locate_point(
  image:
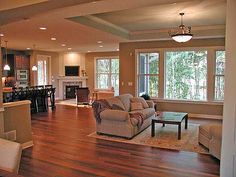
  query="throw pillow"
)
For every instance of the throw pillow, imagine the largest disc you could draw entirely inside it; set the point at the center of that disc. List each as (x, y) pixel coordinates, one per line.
(117, 107)
(139, 100)
(136, 106)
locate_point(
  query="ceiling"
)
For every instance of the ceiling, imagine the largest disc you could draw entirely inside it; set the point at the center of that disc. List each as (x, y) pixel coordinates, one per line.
(80, 24)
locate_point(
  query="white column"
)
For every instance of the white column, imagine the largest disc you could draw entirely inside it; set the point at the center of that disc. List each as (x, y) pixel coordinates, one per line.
(228, 151)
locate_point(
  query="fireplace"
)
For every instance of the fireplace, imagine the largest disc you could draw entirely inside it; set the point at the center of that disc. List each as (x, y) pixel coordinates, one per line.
(71, 91)
(64, 81)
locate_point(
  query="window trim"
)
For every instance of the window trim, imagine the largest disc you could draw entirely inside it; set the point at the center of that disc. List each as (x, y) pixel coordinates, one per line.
(184, 50)
(161, 88)
(137, 51)
(215, 75)
(109, 74)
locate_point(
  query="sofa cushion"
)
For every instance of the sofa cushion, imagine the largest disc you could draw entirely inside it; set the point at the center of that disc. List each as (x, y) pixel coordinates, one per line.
(139, 100)
(136, 106)
(125, 99)
(116, 115)
(148, 112)
(115, 101)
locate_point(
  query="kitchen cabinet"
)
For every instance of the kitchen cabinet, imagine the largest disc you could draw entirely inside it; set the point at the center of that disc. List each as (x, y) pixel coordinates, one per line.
(22, 62)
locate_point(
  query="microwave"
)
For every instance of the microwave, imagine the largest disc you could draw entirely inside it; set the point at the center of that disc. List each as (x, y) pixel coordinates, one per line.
(22, 75)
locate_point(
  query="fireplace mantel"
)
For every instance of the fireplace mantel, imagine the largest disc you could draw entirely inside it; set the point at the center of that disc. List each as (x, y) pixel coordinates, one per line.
(69, 80)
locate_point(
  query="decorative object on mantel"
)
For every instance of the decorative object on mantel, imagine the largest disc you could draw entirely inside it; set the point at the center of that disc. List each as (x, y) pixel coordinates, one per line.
(34, 67)
(183, 33)
(6, 67)
(84, 74)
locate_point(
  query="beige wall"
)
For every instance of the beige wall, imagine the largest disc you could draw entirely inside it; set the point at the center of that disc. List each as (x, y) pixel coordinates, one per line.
(127, 72)
(71, 59)
(228, 152)
(89, 65)
(21, 123)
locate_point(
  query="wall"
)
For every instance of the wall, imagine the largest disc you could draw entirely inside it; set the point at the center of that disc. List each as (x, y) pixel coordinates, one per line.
(71, 59)
(127, 72)
(228, 152)
(1, 101)
(89, 65)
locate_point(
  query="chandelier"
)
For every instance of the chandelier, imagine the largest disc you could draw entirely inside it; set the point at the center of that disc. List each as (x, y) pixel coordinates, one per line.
(183, 33)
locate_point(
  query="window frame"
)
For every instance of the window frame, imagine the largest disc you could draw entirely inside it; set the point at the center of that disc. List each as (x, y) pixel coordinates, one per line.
(137, 74)
(109, 74)
(183, 50)
(217, 75)
(161, 82)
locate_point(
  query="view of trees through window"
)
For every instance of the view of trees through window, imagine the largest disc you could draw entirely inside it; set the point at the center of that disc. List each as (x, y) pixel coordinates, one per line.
(219, 75)
(107, 74)
(186, 75)
(148, 73)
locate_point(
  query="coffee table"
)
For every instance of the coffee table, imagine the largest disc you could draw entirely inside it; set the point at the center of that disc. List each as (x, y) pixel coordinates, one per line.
(175, 118)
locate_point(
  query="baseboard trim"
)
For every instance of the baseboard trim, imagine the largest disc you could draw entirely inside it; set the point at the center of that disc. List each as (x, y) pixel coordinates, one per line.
(27, 144)
(205, 116)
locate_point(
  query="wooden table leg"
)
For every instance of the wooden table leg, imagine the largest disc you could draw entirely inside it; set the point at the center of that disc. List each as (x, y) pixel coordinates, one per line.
(153, 129)
(179, 131)
(186, 121)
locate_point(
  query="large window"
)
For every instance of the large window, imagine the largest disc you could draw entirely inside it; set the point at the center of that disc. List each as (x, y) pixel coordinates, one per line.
(148, 73)
(219, 75)
(186, 75)
(107, 74)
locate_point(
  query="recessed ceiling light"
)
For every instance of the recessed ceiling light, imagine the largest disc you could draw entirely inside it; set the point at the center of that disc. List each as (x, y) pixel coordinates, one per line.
(1, 34)
(101, 46)
(117, 49)
(88, 51)
(28, 48)
(69, 48)
(53, 38)
(42, 28)
(63, 45)
(99, 42)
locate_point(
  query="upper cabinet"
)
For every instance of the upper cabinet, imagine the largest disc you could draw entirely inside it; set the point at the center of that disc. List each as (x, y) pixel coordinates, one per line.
(16, 62)
(22, 62)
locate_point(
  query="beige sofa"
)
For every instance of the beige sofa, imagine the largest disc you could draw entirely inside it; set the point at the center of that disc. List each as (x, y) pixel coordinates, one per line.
(118, 122)
(210, 136)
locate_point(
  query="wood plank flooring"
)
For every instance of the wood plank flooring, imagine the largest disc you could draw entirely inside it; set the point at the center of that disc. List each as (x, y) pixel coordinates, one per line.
(63, 149)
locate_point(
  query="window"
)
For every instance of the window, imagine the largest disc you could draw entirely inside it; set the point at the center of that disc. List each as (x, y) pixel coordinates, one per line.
(42, 71)
(148, 73)
(186, 75)
(219, 75)
(107, 74)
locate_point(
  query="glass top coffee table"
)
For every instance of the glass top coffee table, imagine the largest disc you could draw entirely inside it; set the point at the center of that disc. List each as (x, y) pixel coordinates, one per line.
(175, 118)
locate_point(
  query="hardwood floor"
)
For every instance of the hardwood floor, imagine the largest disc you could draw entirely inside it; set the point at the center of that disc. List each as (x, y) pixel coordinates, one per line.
(63, 149)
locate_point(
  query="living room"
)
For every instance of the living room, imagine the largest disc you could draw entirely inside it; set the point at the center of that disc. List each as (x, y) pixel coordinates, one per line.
(109, 47)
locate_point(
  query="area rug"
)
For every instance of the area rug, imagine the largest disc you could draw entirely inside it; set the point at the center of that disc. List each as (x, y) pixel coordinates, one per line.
(71, 102)
(165, 137)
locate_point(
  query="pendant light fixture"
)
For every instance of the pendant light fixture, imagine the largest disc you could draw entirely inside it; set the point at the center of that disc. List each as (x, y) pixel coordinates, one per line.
(183, 33)
(34, 67)
(6, 67)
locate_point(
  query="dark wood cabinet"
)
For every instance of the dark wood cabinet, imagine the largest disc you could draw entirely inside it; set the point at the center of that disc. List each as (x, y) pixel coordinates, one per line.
(22, 62)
